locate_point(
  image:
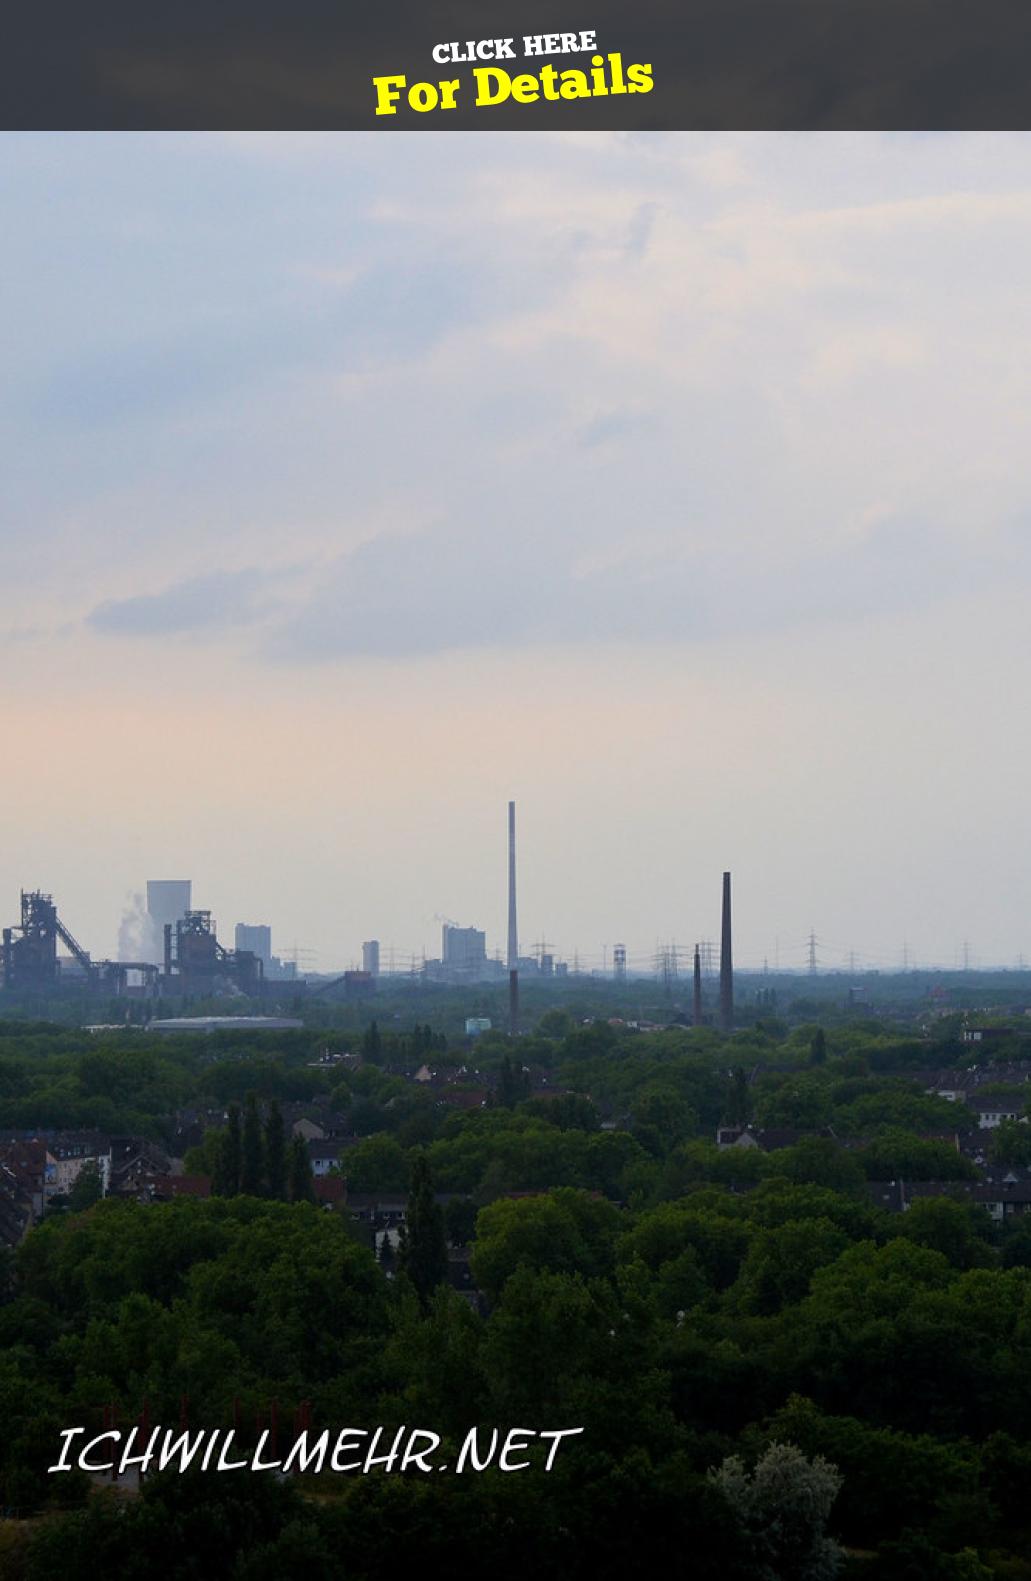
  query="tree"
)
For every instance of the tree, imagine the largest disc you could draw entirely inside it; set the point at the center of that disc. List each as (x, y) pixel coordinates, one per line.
(301, 1181)
(782, 1509)
(423, 1252)
(1010, 1143)
(818, 1047)
(953, 1228)
(377, 1164)
(460, 1220)
(661, 1118)
(227, 1164)
(386, 1255)
(203, 1159)
(87, 1189)
(569, 1111)
(513, 1083)
(372, 1044)
(781, 1262)
(738, 1097)
(275, 1152)
(916, 1555)
(894, 1480)
(555, 1024)
(717, 1241)
(252, 1161)
(566, 1231)
(896, 1153)
(817, 1161)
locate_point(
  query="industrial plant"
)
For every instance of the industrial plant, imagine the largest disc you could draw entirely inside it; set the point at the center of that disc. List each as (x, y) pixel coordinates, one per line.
(172, 950)
(193, 962)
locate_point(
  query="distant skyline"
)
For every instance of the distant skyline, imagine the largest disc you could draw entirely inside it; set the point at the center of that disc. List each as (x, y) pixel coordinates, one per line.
(673, 485)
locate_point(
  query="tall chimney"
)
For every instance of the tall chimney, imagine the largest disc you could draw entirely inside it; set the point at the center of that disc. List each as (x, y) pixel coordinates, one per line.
(726, 964)
(697, 1015)
(513, 931)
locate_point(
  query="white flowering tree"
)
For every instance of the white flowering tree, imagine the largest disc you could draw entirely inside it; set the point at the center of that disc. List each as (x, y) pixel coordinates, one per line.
(782, 1508)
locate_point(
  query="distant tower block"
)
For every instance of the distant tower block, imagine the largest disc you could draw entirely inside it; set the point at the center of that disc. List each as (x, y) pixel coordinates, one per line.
(696, 1016)
(513, 930)
(726, 964)
(168, 901)
(370, 957)
(619, 962)
(257, 939)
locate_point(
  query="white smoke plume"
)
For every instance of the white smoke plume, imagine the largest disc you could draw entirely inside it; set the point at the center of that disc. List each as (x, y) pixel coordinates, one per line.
(137, 934)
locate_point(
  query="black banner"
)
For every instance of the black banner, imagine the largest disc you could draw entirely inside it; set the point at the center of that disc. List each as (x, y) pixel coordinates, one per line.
(562, 64)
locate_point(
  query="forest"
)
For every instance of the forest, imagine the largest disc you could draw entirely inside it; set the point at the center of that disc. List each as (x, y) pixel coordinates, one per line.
(776, 1376)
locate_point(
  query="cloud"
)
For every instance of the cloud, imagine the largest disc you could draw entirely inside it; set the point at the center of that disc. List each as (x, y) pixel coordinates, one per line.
(442, 592)
(616, 425)
(201, 603)
(564, 388)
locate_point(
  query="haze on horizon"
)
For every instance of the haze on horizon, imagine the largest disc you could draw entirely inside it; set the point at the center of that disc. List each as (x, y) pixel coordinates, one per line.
(674, 485)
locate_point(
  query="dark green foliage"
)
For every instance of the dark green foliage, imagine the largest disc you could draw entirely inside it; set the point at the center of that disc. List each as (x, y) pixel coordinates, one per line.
(1010, 1144)
(275, 1153)
(513, 1083)
(300, 1181)
(739, 1101)
(229, 1157)
(959, 1232)
(917, 1557)
(570, 1111)
(252, 1151)
(819, 1161)
(183, 1528)
(896, 1153)
(684, 1304)
(460, 1220)
(377, 1164)
(564, 1230)
(86, 1189)
(423, 1254)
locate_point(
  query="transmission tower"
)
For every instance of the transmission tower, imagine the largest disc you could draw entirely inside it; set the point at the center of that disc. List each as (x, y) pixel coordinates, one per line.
(666, 965)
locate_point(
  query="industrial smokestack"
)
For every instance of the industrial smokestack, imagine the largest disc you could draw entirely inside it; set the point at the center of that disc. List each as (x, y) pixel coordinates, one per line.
(513, 931)
(697, 1009)
(726, 964)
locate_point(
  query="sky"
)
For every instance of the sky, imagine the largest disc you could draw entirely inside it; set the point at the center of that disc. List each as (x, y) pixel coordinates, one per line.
(676, 486)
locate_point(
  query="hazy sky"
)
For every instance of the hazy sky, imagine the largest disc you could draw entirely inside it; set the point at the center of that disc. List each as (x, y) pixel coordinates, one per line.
(677, 486)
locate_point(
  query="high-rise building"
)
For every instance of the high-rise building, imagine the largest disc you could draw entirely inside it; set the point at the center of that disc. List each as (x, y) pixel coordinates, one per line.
(370, 957)
(257, 938)
(463, 949)
(168, 901)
